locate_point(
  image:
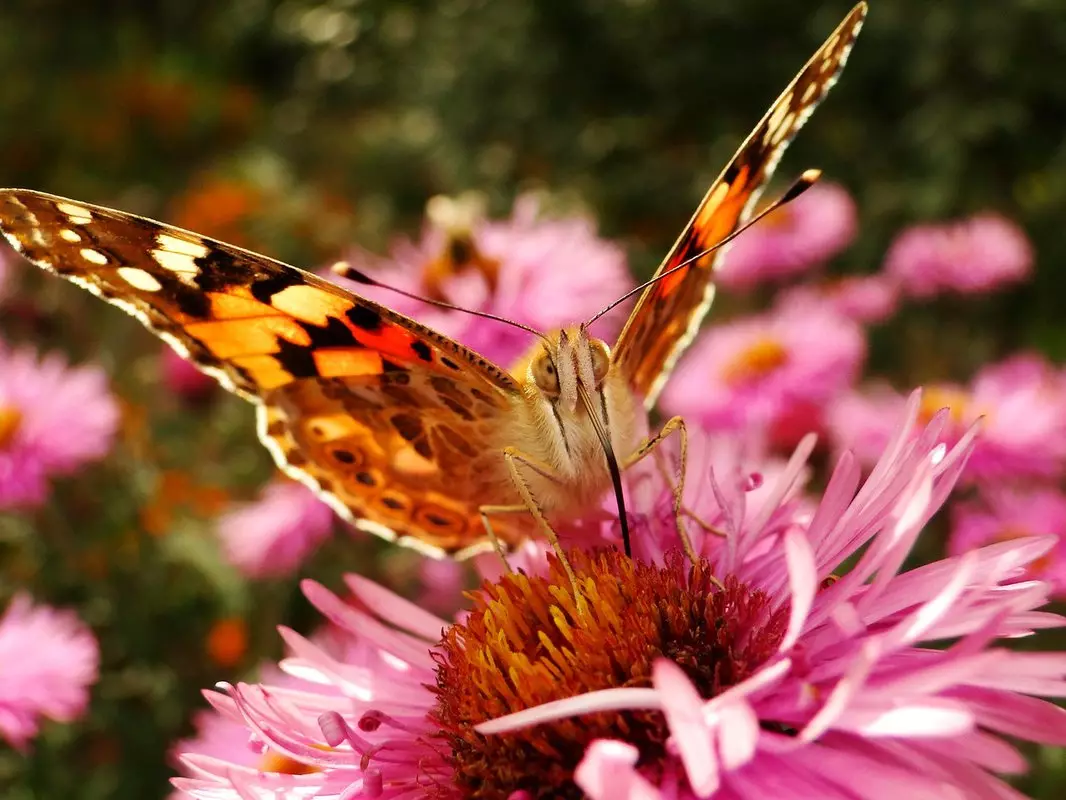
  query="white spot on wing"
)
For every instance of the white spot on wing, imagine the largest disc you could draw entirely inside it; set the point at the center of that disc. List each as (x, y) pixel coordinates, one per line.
(185, 247)
(139, 279)
(67, 235)
(181, 263)
(78, 215)
(93, 256)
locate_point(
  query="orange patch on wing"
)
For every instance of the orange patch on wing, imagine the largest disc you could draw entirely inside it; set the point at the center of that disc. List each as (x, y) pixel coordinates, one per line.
(310, 304)
(236, 337)
(265, 371)
(713, 204)
(238, 304)
(389, 340)
(346, 362)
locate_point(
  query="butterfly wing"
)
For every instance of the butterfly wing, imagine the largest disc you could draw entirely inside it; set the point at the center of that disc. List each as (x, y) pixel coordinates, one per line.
(670, 311)
(394, 424)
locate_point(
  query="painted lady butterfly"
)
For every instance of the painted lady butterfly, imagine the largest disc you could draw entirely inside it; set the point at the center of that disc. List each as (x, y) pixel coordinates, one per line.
(405, 432)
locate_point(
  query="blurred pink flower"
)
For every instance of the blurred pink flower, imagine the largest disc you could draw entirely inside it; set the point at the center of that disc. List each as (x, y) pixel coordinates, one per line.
(274, 534)
(53, 419)
(1020, 405)
(804, 234)
(541, 273)
(779, 667)
(864, 298)
(1006, 514)
(761, 370)
(441, 585)
(969, 256)
(182, 378)
(48, 661)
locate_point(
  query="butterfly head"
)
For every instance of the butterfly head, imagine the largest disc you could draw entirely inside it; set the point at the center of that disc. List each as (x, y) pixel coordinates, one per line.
(567, 364)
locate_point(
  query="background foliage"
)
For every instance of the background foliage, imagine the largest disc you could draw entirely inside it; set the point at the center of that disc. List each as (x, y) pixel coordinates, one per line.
(300, 127)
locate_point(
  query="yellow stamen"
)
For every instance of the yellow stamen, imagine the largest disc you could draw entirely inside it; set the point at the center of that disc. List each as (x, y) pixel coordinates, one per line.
(286, 765)
(10, 419)
(935, 398)
(758, 360)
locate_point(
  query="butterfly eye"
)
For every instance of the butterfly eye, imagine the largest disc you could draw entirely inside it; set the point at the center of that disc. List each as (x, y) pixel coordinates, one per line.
(545, 375)
(601, 360)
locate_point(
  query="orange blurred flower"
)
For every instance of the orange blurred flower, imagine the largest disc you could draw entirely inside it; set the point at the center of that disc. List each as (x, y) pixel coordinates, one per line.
(227, 641)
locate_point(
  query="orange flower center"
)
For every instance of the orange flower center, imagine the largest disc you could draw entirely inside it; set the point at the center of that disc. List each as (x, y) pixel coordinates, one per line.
(756, 361)
(779, 218)
(528, 641)
(286, 765)
(458, 255)
(935, 398)
(10, 419)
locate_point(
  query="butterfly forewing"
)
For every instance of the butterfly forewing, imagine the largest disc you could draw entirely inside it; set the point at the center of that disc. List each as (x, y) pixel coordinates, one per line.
(390, 420)
(670, 311)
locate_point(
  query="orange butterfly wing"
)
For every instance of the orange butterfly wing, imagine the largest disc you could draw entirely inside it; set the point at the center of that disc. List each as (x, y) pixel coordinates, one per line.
(670, 311)
(397, 426)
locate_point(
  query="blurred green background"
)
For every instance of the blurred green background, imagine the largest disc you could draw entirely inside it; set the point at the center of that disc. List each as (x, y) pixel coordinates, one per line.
(298, 128)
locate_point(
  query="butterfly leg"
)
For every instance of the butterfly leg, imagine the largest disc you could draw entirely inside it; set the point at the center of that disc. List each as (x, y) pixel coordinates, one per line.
(650, 446)
(485, 512)
(515, 459)
(668, 479)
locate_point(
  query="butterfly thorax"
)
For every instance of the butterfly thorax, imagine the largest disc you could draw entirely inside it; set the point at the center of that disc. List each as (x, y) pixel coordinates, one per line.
(572, 401)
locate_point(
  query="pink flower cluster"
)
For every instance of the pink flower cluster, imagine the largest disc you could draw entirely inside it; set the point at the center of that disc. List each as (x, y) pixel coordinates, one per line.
(48, 661)
(53, 419)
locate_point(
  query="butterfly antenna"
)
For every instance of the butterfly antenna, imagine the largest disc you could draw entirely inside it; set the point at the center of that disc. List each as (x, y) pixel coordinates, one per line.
(345, 270)
(802, 184)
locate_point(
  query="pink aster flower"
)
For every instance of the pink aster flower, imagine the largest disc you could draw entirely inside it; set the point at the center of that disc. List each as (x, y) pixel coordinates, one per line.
(541, 273)
(974, 255)
(273, 535)
(1006, 514)
(763, 370)
(755, 672)
(48, 661)
(1018, 401)
(53, 419)
(804, 234)
(864, 298)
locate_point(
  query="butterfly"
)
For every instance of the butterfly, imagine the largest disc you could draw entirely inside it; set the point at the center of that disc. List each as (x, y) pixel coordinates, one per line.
(403, 431)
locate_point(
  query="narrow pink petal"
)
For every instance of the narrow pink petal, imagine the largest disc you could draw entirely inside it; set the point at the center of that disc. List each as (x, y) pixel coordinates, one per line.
(402, 645)
(738, 734)
(843, 693)
(397, 610)
(1027, 718)
(929, 718)
(691, 735)
(607, 773)
(914, 627)
(803, 584)
(788, 478)
(766, 676)
(591, 702)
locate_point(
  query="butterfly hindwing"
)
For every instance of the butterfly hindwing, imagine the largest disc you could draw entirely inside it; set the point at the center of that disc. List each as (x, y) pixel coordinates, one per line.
(670, 311)
(332, 373)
